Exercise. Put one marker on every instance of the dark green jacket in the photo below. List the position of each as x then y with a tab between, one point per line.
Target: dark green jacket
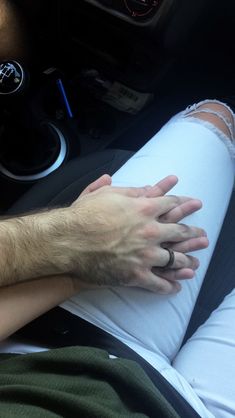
77	382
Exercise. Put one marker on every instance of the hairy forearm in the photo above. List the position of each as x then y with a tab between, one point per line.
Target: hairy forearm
22	303
12	32
32	246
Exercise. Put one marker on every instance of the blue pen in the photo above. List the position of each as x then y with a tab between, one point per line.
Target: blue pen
64	97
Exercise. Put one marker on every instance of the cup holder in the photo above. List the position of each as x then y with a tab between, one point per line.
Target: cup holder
34	158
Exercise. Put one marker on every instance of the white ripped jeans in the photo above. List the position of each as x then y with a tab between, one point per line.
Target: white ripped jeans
154	325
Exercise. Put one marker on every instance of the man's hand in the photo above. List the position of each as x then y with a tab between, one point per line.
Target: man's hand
167	278
122	234
109	236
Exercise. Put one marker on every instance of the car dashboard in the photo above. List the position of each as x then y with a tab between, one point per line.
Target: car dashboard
107	74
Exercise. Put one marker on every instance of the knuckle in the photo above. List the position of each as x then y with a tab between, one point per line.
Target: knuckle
151	230
156	284
186	261
174	199
180	261
185	230
163	287
147	206
139	274
148	254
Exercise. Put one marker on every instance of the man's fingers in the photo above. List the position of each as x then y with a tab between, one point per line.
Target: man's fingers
179	212
157	284
131	191
180	260
162	187
162	205
178	232
158	189
179	274
192	244
159	257
162	281
102	181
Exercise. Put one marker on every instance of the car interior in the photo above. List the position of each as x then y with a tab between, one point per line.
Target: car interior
107	74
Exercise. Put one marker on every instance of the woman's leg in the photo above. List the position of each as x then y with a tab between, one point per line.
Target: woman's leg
207	360
154	326
202	162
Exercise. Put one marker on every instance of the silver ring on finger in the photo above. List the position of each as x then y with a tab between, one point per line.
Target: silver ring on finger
171	259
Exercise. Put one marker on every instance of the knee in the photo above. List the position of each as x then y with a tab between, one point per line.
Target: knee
216	113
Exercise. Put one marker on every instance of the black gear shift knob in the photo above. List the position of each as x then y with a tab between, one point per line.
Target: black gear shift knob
12	78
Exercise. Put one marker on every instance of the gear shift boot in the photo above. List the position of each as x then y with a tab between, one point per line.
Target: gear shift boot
30	146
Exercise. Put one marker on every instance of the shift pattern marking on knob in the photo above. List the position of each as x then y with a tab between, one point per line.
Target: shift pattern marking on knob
11	77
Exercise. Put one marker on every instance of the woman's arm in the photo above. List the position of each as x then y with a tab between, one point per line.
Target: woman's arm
23	302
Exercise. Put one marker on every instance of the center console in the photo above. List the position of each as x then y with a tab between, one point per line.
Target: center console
97	70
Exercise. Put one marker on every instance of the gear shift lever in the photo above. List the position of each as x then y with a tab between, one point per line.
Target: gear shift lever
30	147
